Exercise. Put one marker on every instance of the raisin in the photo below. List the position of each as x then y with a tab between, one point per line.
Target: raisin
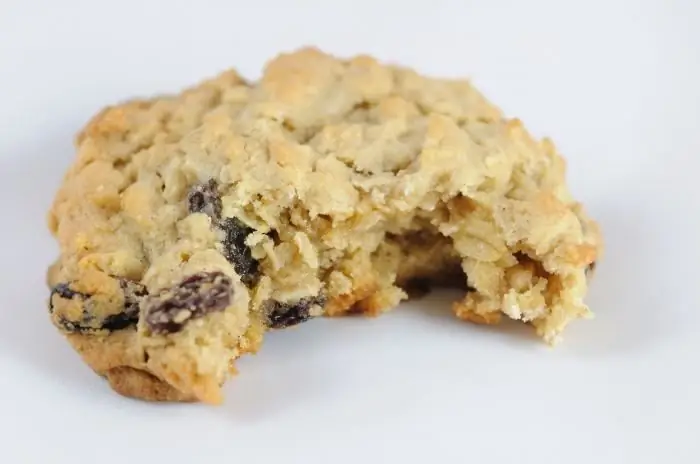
64	291
133	294
281	315
89	323
133	291
590	268
205	198
120	321
237	252
194	297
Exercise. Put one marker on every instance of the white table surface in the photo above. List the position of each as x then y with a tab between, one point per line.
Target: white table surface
614	82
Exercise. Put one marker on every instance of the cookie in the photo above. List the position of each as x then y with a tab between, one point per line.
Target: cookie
191	225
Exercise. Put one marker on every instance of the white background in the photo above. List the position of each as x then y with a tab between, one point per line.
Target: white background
615	83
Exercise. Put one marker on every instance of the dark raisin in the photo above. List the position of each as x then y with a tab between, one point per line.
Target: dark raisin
134	292
120	321
194	297
88	322
590	269
205	198
237	252
64	291
275	236
281	315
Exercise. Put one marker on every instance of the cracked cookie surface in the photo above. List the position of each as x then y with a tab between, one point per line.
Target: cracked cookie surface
189	225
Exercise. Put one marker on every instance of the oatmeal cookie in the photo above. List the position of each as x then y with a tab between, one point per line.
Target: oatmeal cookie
190	225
